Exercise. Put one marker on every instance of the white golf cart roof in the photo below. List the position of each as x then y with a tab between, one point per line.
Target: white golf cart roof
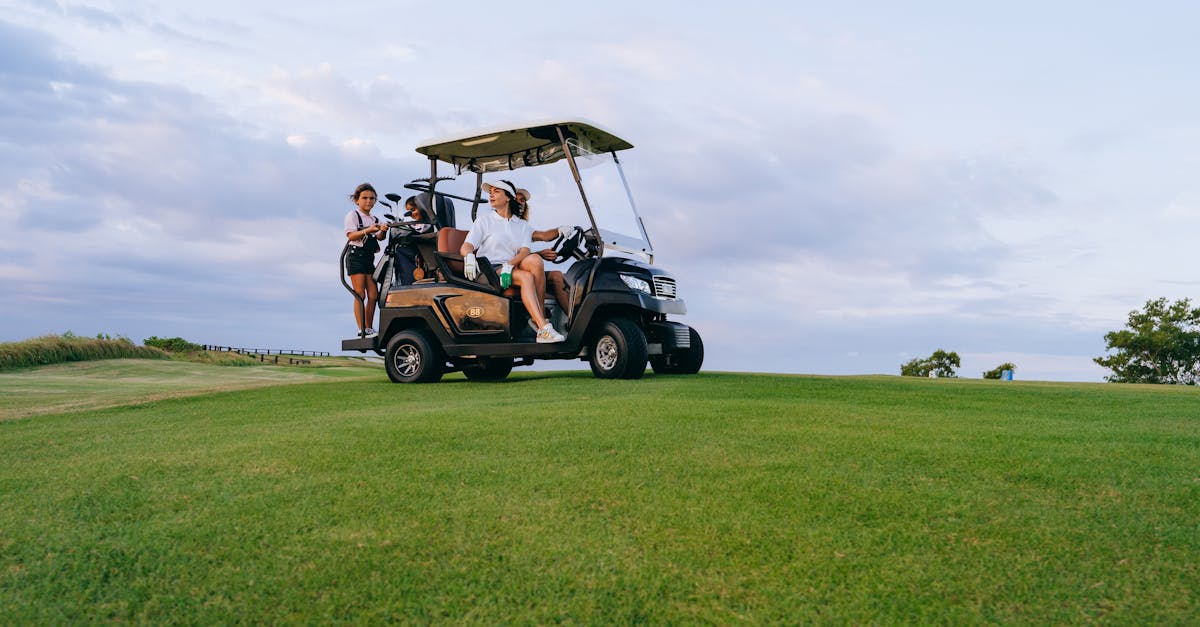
509	147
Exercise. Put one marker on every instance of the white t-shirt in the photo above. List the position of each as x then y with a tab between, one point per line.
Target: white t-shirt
352	224
499	239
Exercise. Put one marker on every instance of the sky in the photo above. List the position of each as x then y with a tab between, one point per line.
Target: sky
838	187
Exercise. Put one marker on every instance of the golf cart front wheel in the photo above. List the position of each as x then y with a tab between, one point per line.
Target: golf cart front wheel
619	350
413	358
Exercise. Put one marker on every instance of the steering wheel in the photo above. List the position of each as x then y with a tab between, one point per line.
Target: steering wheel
569	245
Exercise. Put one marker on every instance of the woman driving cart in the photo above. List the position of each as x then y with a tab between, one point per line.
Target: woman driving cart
504	237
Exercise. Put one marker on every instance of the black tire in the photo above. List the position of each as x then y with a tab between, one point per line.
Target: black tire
619	350
686	361
413	358
487	369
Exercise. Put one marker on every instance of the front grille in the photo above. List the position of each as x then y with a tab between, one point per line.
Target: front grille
664	287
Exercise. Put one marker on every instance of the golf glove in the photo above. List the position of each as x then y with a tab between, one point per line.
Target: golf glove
506	276
470	267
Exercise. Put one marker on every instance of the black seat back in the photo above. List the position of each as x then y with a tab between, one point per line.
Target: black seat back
443	216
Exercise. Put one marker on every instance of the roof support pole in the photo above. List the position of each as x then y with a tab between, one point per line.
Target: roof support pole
578	182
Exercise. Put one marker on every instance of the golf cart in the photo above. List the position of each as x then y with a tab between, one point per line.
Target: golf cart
617	301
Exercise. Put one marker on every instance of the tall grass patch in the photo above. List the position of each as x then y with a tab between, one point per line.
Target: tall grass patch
68	347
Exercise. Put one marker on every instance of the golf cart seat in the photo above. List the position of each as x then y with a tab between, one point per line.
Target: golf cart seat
450	241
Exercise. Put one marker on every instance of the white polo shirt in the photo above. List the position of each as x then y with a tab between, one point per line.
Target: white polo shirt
499	239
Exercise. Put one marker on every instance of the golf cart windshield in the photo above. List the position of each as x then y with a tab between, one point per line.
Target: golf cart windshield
537	150
610	200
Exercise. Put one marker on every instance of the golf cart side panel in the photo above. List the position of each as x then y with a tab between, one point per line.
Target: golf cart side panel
395	320
460	311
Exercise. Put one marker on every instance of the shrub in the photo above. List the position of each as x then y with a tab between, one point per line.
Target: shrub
995	373
916	367
941	364
172	344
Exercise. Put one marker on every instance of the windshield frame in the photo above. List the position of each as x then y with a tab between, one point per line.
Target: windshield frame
611	240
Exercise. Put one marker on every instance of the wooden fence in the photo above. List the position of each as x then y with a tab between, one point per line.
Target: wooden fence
295	357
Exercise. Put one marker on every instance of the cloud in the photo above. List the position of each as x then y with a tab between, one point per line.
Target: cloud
380	104
657	59
832	188
131	202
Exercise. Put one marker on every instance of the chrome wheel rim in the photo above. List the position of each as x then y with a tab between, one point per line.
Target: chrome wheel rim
606	353
408	360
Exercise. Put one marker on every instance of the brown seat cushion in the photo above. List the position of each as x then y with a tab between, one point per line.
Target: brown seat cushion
450	241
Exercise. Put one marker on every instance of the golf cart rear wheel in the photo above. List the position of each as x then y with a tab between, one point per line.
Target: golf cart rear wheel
488	369
686	361
413	358
619	350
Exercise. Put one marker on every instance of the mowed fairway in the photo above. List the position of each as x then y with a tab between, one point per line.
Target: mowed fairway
555	497
114	382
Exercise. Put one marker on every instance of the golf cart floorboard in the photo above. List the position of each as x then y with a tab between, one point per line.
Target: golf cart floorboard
360	344
517	348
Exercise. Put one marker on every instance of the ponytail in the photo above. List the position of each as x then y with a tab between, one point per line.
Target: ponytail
518	209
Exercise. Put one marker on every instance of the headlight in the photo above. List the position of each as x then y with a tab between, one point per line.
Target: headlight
636	284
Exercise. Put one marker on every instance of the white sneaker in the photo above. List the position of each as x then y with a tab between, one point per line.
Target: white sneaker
547	335
370	332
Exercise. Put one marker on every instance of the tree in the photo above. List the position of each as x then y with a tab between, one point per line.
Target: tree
916	367
1161	344
944	363
940	364
995	373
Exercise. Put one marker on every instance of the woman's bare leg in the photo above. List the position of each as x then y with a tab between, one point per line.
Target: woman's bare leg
557	285
533	304
372	298
534	265
364	286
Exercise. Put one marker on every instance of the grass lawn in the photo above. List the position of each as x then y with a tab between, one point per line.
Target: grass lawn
109	383
555	497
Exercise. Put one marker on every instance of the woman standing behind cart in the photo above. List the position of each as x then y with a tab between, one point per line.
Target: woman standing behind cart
363	231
